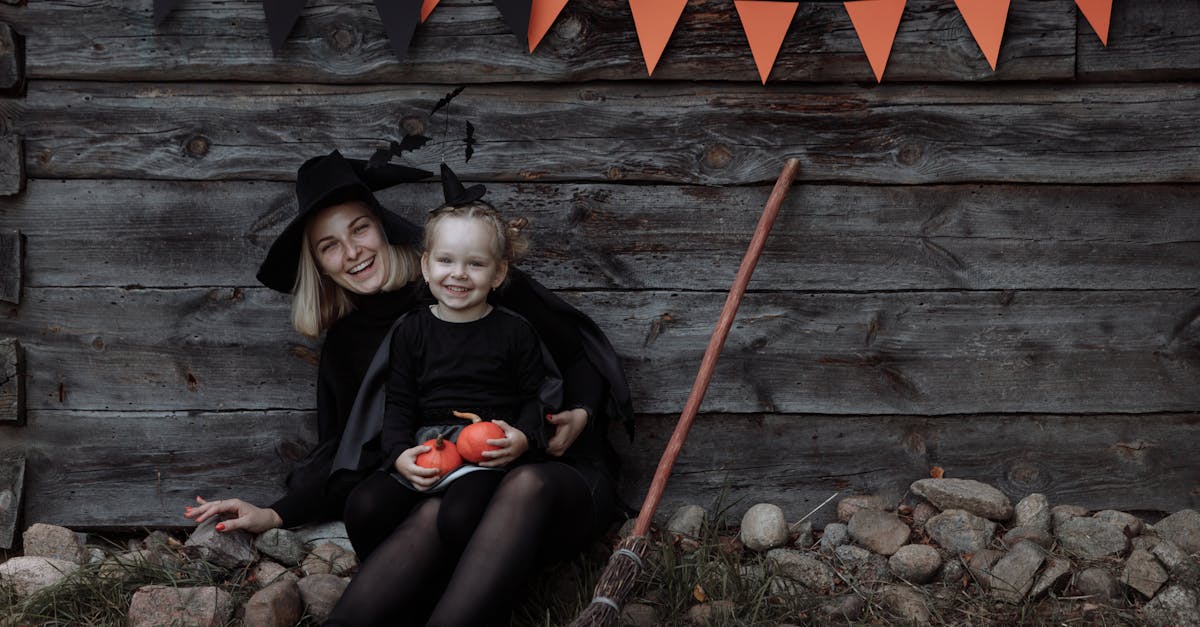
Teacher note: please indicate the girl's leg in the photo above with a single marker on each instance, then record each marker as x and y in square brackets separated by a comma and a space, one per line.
[374, 509]
[388, 587]
[540, 511]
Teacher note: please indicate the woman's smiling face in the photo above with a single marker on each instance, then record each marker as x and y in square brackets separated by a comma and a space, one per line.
[462, 267]
[349, 246]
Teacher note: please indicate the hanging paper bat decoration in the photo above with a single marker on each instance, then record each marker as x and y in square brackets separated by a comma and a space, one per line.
[469, 140]
[446, 99]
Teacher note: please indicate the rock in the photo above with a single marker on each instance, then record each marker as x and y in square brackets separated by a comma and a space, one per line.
[764, 527]
[809, 571]
[1175, 606]
[230, 549]
[804, 534]
[882, 532]
[1130, 524]
[981, 564]
[1182, 528]
[266, 572]
[1143, 573]
[281, 545]
[713, 613]
[1056, 572]
[687, 521]
[1033, 511]
[159, 540]
[329, 559]
[42, 540]
[1145, 542]
[277, 605]
[960, 531]
[320, 533]
[915, 563]
[1100, 585]
[320, 593]
[951, 573]
[1013, 574]
[1016, 535]
[1091, 538]
[834, 535]
[30, 573]
[922, 513]
[978, 498]
[95, 555]
[206, 606]
[1062, 513]
[846, 608]
[1178, 564]
[904, 602]
[638, 615]
[851, 504]
[851, 556]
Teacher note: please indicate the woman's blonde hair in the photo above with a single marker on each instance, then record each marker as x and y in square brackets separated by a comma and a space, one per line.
[318, 302]
[509, 243]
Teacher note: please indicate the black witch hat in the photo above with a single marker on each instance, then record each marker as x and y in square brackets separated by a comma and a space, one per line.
[456, 195]
[330, 180]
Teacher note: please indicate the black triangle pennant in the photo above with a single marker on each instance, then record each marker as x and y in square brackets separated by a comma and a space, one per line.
[400, 19]
[163, 8]
[281, 18]
[516, 15]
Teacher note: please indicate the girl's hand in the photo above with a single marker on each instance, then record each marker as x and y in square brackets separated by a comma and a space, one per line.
[242, 515]
[421, 477]
[567, 427]
[512, 445]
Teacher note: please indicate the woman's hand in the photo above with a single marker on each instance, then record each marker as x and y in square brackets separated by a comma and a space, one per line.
[421, 477]
[242, 515]
[567, 427]
[511, 446]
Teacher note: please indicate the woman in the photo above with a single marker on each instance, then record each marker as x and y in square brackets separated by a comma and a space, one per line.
[355, 261]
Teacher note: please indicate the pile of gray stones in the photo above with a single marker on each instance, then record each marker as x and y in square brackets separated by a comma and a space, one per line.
[952, 537]
[948, 537]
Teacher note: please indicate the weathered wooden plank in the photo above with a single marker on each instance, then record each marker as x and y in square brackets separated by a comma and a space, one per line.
[701, 133]
[12, 163]
[135, 469]
[141, 469]
[12, 253]
[12, 61]
[12, 488]
[467, 41]
[828, 237]
[1141, 463]
[12, 382]
[1147, 41]
[840, 353]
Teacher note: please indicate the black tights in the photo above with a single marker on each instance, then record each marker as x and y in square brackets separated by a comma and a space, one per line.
[540, 513]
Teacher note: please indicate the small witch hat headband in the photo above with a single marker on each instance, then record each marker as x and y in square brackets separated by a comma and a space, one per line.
[457, 195]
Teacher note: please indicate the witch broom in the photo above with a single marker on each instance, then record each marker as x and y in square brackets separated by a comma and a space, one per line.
[626, 562]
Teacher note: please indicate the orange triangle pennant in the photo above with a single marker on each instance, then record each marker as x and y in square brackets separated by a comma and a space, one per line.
[986, 20]
[655, 21]
[876, 22]
[1098, 14]
[427, 8]
[766, 24]
[541, 18]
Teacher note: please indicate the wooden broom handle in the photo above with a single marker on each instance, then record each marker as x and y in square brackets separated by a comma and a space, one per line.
[715, 343]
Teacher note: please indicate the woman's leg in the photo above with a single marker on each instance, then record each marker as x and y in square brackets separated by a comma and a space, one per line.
[374, 509]
[539, 512]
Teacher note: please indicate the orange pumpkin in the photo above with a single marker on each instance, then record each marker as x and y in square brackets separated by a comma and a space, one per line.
[472, 440]
[443, 456]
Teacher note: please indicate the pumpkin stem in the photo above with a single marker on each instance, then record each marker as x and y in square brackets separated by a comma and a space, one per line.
[440, 443]
[466, 415]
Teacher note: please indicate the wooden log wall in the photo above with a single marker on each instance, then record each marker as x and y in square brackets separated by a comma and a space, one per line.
[993, 272]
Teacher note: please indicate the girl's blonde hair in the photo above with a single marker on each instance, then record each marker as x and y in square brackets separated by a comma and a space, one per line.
[509, 243]
[318, 302]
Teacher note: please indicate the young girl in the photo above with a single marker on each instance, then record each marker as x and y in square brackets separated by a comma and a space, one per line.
[462, 354]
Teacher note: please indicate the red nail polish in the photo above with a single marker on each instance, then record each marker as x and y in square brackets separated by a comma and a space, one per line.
[220, 526]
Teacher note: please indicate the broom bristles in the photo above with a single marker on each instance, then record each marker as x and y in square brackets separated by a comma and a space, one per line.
[616, 582]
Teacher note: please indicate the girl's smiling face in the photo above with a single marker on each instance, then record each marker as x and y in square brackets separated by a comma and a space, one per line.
[462, 267]
[349, 246]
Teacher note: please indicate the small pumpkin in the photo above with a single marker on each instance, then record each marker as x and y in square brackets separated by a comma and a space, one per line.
[472, 440]
[443, 456]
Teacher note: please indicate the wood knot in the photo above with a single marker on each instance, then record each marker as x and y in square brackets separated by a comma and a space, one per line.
[340, 39]
[568, 28]
[718, 156]
[759, 343]
[614, 174]
[197, 147]
[98, 343]
[591, 95]
[910, 154]
[412, 125]
[193, 384]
